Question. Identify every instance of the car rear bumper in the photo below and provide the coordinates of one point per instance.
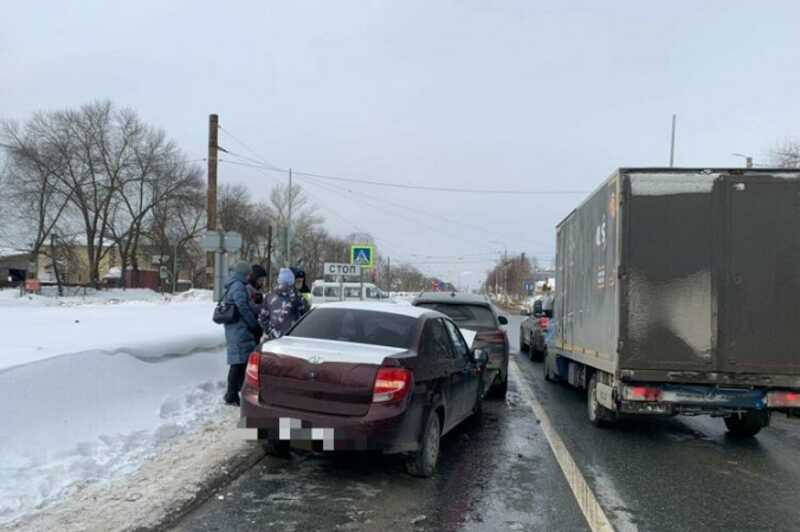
(390, 428)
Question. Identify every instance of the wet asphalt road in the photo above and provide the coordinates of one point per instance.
(680, 473)
(653, 474)
(498, 475)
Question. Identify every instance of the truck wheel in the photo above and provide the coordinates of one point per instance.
(599, 415)
(548, 362)
(748, 424)
(278, 448)
(423, 462)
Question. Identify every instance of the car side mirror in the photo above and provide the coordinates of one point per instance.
(503, 320)
(480, 356)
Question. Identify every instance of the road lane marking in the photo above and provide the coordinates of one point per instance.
(587, 501)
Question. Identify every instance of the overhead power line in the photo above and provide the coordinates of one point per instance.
(407, 186)
(438, 189)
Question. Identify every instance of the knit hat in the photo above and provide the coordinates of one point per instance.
(258, 272)
(242, 267)
(285, 277)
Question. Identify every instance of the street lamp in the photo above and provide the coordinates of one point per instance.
(748, 159)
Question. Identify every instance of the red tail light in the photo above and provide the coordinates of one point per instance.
(544, 323)
(783, 399)
(641, 393)
(495, 337)
(252, 375)
(391, 384)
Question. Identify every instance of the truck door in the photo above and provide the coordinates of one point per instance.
(759, 328)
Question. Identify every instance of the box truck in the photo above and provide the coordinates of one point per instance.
(678, 292)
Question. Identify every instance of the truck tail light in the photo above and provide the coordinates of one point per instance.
(493, 338)
(641, 393)
(391, 385)
(252, 375)
(783, 399)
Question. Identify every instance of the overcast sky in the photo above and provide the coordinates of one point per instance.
(513, 95)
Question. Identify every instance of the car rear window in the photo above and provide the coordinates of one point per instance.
(359, 326)
(464, 315)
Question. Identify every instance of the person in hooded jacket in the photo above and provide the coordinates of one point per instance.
(283, 307)
(301, 286)
(255, 290)
(240, 336)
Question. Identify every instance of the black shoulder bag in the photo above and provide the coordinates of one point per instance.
(225, 313)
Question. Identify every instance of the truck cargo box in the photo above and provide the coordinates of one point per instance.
(684, 275)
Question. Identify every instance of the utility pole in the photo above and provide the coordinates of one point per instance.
(672, 144)
(269, 258)
(211, 225)
(287, 256)
(388, 275)
(175, 266)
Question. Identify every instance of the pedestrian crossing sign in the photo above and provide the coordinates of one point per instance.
(363, 255)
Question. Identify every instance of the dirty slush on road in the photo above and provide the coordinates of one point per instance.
(496, 475)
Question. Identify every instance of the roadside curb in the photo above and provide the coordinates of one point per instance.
(237, 466)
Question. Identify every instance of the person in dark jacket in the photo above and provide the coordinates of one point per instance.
(301, 286)
(240, 336)
(282, 308)
(255, 285)
(255, 290)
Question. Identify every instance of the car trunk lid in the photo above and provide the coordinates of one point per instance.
(322, 376)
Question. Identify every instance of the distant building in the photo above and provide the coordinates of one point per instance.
(14, 266)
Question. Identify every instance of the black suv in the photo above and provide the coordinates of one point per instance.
(476, 313)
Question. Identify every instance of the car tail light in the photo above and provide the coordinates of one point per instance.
(783, 399)
(489, 338)
(391, 384)
(641, 393)
(252, 375)
(544, 323)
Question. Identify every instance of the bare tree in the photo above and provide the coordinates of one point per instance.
(97, 165)
(304, 217)
(34, 199)
(786, 155)
(174, 228)
(156, 174)
(238, 212)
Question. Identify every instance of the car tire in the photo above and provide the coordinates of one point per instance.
(523, 347)
(536, 355)
(748, 424)
(477, 413)
(279, 449)
(499, 389)
(423, 462)
(548, 362)
(599, 415)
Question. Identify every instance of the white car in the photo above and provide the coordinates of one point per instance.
(326, 292)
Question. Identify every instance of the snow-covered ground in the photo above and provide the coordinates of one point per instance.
(93, 386)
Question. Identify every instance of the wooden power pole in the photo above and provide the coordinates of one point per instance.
(213, 131)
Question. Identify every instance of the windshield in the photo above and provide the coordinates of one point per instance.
(465, 315)
(358, 326)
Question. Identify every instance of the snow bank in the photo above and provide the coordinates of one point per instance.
(94, 387)
(38, 328)
(166, 485)
(73, 421)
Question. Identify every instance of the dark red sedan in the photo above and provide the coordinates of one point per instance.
(352, 376)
